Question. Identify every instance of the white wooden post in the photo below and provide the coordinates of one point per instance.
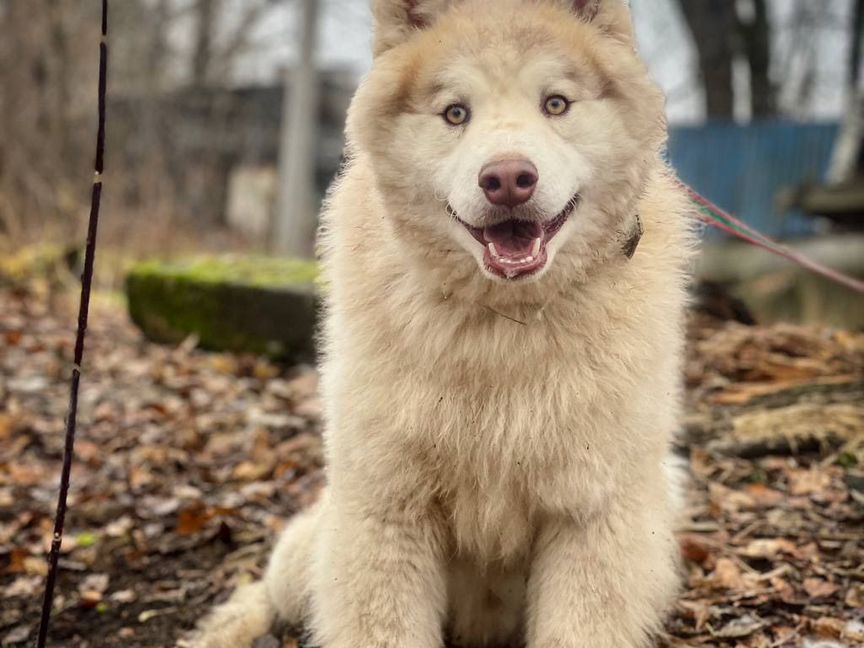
(849, 141)
(848, 147)
(296, 215)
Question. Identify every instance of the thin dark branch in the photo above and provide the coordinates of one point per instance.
(83, 311)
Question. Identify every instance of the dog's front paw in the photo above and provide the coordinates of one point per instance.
(237, 623)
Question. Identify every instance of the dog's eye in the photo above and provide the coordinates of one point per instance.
(555, 105)
(457, 114)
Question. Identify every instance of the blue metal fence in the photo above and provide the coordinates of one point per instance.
(743, 167)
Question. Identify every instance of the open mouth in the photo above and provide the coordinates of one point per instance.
(516, 248)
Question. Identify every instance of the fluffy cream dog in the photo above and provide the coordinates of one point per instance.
(501, 360)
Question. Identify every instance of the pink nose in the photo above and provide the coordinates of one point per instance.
(508, 182)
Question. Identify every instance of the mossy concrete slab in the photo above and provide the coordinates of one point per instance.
(262, 305)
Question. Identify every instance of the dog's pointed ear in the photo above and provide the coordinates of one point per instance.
(586, 8)
(396, 20)
(612, 16)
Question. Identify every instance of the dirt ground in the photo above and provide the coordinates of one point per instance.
(189, 462)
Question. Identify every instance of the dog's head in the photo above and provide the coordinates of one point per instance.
(518, 131)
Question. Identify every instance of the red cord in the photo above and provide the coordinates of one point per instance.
(720, 219)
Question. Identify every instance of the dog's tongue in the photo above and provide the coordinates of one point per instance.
(513, 238)
(514, 248)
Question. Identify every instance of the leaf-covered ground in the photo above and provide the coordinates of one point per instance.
(188, 463)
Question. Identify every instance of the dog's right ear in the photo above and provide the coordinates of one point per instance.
(611, 16)
(395, 20)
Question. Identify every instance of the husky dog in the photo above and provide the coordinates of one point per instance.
(501, 351)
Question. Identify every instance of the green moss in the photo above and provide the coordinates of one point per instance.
(257, 304)
(261, 271)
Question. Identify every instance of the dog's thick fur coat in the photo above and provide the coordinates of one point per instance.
(497, 449)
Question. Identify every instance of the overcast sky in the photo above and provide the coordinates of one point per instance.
(663, 41)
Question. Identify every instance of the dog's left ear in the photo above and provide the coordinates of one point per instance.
(611, 16)
(396, 20)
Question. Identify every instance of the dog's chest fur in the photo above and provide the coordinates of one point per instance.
(511, 443)
(510, 422)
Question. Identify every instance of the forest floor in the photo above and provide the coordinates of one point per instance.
(188, 463)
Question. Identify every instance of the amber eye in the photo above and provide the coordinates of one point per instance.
(457, 114)
(555, 105)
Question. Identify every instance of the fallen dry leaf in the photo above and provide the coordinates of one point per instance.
(819, 588)
(739, 628)
(90, 598)
(828, 627)
(768, 548)
(807, 482)
(762, 496)
(189, 467)
(694, 548)
(855, 597)
(727, 574)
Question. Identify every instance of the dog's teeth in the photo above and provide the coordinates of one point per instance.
(529, 259)
(536, 249)
(492, 250)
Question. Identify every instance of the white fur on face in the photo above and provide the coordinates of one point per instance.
(505, 96)
(508, 122)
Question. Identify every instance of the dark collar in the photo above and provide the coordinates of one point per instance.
(633, 239)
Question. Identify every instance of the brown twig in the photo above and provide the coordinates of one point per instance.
(83, 310)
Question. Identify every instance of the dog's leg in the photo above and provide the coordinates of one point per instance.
(284, 592)
(379, 581)
(244, 617)
(602, 582)
(288, 577)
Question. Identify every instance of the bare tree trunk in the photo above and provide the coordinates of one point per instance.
(855, 50)
(712, 23)
(202, 56)
(155, 65)
(756, 37)
(61, 56)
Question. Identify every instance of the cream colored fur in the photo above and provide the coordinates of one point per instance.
(497, 450)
